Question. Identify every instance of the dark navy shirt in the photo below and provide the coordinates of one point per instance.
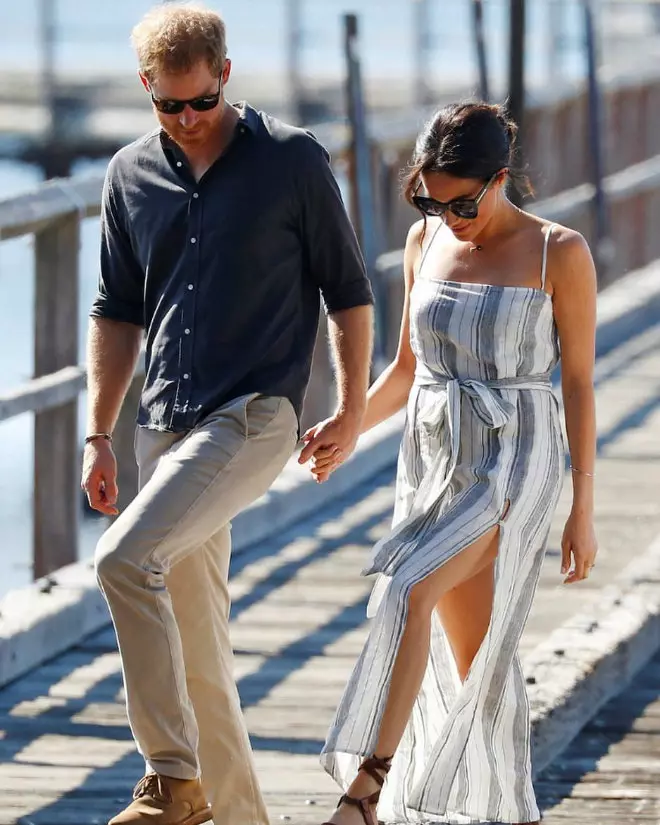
(225, 274)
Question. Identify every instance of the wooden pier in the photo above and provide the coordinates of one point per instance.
(298, 621)
(610, 775)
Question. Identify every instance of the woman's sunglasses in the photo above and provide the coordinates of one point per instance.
(466, 208)
(174, 107)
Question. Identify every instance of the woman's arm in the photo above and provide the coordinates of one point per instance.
(572, 276)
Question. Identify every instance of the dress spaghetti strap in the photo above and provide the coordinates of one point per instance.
(544, 265)
(426, 246)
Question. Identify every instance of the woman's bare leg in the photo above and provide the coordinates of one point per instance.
(465, 615)
(412, 657)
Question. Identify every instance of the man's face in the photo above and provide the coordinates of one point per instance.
(190, 128)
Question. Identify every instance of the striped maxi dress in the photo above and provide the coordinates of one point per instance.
(482, 434)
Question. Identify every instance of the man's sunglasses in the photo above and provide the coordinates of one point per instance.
(466, 208)
(174, 107)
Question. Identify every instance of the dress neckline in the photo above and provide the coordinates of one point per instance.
(461, 284)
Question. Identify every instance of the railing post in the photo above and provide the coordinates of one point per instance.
(56, 455)
(603, 246)
(480, 49)
(516, 102)
(360, 170)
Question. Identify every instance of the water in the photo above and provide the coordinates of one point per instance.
(93, 39)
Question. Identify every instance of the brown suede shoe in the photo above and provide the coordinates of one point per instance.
(163, 800)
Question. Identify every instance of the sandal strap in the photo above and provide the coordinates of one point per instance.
(373, 764)
(363, 805)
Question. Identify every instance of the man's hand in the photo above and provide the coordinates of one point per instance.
(330, 443)
(99, 477)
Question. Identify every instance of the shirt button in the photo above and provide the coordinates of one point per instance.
(185, 375)
(195, 194)
(193, 240)
(190, 286)
(187, 331)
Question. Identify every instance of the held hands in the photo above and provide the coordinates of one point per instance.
(99, 477)
(330, 443)
(579, 544)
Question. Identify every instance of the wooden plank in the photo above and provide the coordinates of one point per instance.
(58, 388)
(44, 393)
(609, 774)
(56, 454)
(567, 206)
(37, 210)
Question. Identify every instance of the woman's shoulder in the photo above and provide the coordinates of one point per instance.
(415, 237)
(562, 236)
(565, 245)
(413, 249)
(558, 236)
(422, 232)
(569, 255)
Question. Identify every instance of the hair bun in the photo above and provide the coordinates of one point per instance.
(510, 126)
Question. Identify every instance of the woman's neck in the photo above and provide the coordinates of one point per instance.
(503, 221)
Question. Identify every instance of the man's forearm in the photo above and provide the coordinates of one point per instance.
(113, 348)
(351, 338)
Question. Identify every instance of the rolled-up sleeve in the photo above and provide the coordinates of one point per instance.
(120, 295)
(332, 252)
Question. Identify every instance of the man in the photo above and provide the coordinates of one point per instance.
(219, 230)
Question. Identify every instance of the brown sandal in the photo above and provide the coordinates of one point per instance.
(371, 766)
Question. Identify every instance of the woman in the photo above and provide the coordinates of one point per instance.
(437, 698)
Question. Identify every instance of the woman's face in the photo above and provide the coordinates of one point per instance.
(448, 189)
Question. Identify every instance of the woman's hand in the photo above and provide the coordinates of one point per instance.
(330, 443)
(579, 547)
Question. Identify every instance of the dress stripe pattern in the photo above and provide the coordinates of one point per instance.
(482, 447)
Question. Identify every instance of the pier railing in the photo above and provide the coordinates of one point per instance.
(53, 214)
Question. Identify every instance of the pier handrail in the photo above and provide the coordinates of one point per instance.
(53, 213)
(37, 210)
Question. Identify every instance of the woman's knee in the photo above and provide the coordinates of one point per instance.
(420, 601)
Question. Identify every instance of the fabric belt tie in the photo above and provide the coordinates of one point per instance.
(490, 408)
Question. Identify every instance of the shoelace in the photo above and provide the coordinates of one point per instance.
(152, 785)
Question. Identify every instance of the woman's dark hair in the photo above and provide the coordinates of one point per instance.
(467, 140)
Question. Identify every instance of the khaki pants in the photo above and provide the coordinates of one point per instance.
(162, 566)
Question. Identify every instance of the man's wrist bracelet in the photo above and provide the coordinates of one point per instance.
(96, 436)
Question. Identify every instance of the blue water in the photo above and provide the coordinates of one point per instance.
(93, 40)
(93, 37)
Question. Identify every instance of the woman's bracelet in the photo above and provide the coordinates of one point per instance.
(582, 472)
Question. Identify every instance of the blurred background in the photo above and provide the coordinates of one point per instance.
(583, 78)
